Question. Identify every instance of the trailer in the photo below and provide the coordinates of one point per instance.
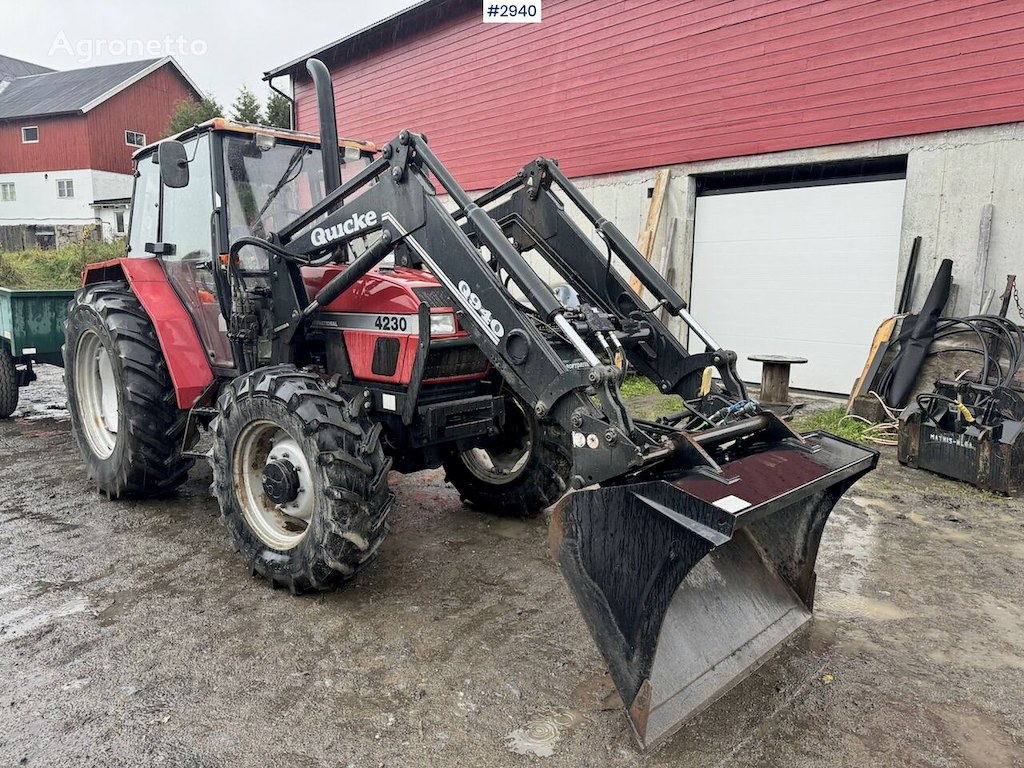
(31, 332)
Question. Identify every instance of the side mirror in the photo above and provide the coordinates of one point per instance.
(173, 164)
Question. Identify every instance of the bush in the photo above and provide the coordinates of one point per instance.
(57, 269)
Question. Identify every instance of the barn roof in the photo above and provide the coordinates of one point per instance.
(11, 68)
(75, 90)
(389, 30)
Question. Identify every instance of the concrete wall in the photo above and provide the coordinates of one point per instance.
(950, 177)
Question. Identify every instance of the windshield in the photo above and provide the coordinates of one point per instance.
(269, 188)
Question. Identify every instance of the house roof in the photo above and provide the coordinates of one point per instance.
(11, 68)
(76, 90)
(411, 20)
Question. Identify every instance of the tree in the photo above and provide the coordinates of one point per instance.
(189, 112)
(279, 111)
(246, 108)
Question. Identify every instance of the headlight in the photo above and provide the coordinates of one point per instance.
(442, 324)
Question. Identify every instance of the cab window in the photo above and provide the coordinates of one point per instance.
(145, 217)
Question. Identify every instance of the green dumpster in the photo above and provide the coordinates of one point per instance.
(31, 331)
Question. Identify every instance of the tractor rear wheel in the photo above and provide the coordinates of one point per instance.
(8, 382)
(124, 413)
(520, 472)
(301, 478)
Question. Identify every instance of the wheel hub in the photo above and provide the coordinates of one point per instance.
(274, 483)
(280, 481)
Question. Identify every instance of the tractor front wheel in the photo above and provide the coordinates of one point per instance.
(301, 479)
(519, 472)
(124, 413)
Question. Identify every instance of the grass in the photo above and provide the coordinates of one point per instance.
(833, 421)
(56, 269)
(635, 386)
(638, 390)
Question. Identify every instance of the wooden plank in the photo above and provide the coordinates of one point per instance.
(645, 244)
(879, 346)
(981, 265)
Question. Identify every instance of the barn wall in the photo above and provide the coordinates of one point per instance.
(609, 86)
(63, 143)
(145, 106)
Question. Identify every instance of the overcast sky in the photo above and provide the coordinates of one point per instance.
(221, 45)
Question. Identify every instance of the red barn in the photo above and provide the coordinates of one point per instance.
(808, 142)
(67, 139)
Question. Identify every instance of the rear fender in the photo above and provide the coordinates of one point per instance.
(182, 348)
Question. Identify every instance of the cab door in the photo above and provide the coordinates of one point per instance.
(187, 223)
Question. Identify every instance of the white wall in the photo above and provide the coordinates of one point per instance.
(37, 201)
(108, 223)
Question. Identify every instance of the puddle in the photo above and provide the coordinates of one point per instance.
(540, 736)
(41, 516)
(867, 501)
(120, 602)
(857, 539)
(511, 529)
(597, 693)
(23, 621)
(44, 398)
(982, 740)
(858, 605)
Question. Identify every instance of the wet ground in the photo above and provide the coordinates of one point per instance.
(131, 634)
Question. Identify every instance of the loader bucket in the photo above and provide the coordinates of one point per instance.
(688, 585)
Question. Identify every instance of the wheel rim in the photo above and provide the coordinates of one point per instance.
(504, 459)
(96, 393)
(281, 526)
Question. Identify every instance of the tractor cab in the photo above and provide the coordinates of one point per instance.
(239, 180)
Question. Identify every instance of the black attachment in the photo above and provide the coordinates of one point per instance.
(908, 279)
(686, 585)
(967, 431)
(914, 351)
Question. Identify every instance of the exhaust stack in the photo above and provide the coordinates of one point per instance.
(328, 123)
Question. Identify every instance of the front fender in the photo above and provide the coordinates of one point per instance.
(182, 348)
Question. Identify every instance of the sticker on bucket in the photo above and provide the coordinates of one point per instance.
(732, 504)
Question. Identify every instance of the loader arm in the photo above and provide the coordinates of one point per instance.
(534, 217)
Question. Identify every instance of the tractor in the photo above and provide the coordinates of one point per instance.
(322, 312)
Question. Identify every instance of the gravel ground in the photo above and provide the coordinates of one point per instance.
(131, 634)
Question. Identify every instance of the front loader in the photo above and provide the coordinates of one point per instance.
(316, 308)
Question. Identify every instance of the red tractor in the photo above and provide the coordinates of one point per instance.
(314, 307)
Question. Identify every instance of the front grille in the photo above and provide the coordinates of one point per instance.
(434, 297)
(454, 361)
(385, 356)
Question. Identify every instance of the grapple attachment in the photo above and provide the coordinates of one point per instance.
(688, 584)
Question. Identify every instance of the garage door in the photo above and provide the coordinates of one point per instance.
(808, 272)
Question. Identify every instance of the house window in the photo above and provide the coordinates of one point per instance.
(134, 139)
(7, 193)
(65, 188)
(30, 135)
(119, 222)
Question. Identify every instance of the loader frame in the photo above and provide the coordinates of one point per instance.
(395, 197)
